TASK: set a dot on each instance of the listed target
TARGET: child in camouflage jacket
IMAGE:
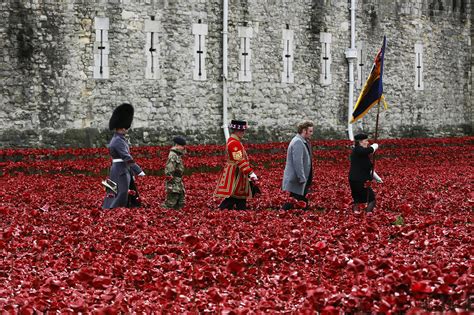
(174, 169)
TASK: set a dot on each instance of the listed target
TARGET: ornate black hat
(121, 117)
(179, 140)
(238, 124)
(360, 136)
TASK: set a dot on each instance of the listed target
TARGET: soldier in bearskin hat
(360, 173)
(123, 166)
(234, 184)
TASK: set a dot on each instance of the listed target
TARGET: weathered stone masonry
(49, 96)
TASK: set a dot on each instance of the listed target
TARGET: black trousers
(360, 192)
(229, 203)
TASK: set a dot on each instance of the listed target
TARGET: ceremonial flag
(372, 92)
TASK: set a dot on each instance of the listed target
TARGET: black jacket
(361, 166)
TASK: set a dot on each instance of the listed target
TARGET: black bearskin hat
(121, 117)
(238, 124)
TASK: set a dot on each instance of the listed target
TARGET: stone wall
(49, 96)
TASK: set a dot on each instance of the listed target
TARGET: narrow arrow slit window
(361, 64)
(245, 34)
(326, 59)
(419, 86)
(287, 75)
(101, 48)
(152, 49)
(199, 32)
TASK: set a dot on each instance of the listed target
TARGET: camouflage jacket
(175, 168)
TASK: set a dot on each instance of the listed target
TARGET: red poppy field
(60, 252)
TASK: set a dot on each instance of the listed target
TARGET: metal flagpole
(375, 140)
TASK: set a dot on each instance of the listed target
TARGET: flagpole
(375, 140)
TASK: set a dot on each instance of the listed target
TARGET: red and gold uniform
(234, 181)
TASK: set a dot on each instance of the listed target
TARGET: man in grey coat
(123, 166)
(298, 173)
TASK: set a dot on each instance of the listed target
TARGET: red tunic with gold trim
(234, 181)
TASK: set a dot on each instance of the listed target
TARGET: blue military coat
(121, 172)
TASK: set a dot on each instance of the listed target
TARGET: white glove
(253, 176)
(377, 178)
(374, 146)
(142, 173)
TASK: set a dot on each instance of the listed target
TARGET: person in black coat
(123, 166)
(360, 173)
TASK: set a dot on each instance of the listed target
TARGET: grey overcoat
(298, 166)
(120, 172)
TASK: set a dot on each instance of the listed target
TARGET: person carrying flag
(360, 173)
(362, 169)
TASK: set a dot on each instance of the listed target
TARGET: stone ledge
(91, 137)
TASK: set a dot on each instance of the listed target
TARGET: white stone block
(419, 84)
(245, 76)
(103, 75)
(287, 75)
(101, 61)
(106, 49)
(361, 64)
(102, 35)
(127, 15)
(200, 51)
(152, 65)
(288, 34)
(325, 37)
(326, 59)
(245, 31)
(199, 29)
(101, 23)
(97, 58)
(152, 26)
(152, 57)
(245, 54)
